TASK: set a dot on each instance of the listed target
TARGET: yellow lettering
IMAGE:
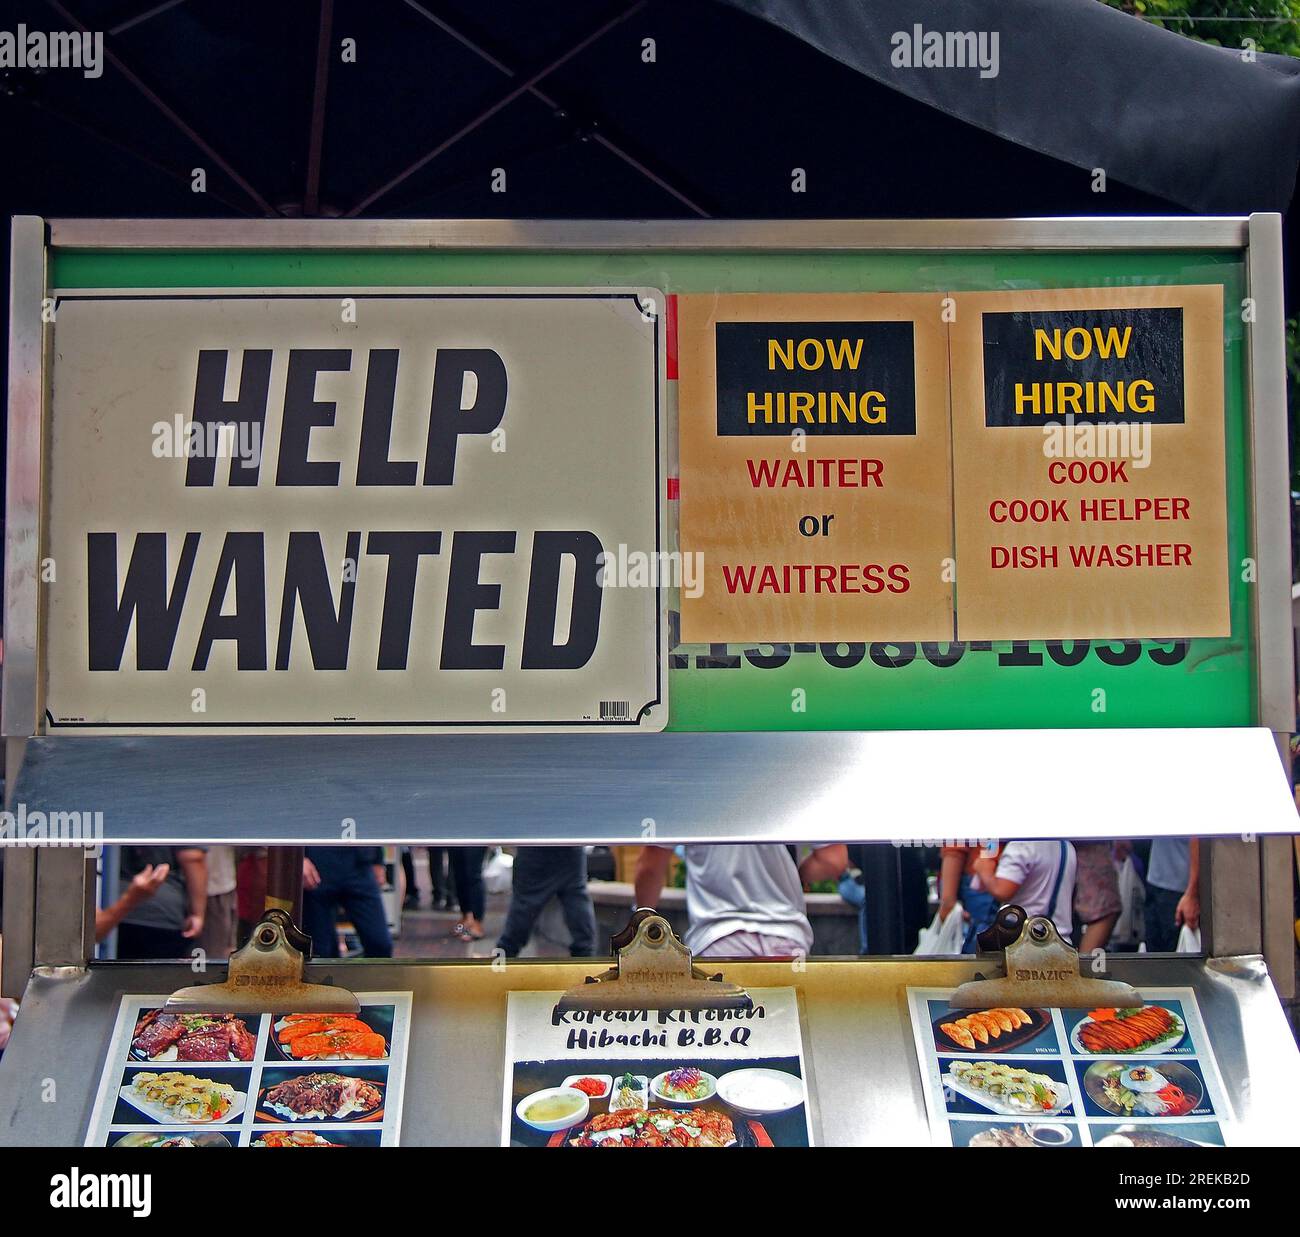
(872, 407)
(1144, 403)
(841, 406)
(1077, 351)
(844, 350)
(1049, 343)
(801, 403)
(1113, 343)
(814, 348)
(775, 352)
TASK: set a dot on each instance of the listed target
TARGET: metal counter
(864, 1081)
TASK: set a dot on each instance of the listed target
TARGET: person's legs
(580, 919)
(364, 906)
(474, 856)
(412, 897)
(320, 921)
(575, 899)
(467, 871)
(530, 890)
(218, 936)
(1097, 935)
(439, 878)
(1161, 930)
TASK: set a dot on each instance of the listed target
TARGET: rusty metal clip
(266, 977)
(653, 970)
(1039, 968)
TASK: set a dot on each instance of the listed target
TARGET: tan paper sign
(309, 511)
(1089, 477)
(815, 467)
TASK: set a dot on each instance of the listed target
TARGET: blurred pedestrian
(218, 939)
(957, 885)
(467, 873)
(541, 873)
(743, 901)
(1037, 876)
(250, 890)
(411, 898)
(349, 877)
(143, 885)
(170, 922)
(440, 878)
(1097, 903)
(1173, 891)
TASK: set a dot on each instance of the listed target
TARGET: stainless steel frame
(23, 476)
(1258, 237)
(1157, 232)
(1270, 455)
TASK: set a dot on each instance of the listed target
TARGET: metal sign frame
(1257, 237)
(1250, 891)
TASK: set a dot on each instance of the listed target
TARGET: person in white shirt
(743, 901)
(1038, 876)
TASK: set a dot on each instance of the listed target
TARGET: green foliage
(1273, 25)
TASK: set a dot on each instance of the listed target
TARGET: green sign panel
(799, 686)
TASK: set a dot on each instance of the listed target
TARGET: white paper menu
(1045, 1077)
(280, 1080)
(667, 1077)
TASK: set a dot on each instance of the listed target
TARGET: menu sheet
(655, 1077)
(253, 1080)
(1038, 1077)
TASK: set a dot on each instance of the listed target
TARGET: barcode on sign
(615, 710)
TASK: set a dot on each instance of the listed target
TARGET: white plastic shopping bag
(1189, 940)
(498, 871)
(943, 936)
(1129, 927)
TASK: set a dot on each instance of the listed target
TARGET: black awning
(1195, 124)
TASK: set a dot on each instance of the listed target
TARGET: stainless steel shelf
(865, 1084)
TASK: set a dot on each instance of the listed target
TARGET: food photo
(177, 1097)
(1146, 1030)
(333, 1037)
(1188, 1134)
(161, 1036)
(1002, 1030)
(1159, 1088)
(658, 1104)
(1006, 1088)
(348, 1093)
(282, 1138)
(1040, 1134)
(169, 1138)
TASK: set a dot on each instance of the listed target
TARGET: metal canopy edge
(674, 787)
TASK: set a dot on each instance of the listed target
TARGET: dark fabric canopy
(736, 95)
(1195, 124)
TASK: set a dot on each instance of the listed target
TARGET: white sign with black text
(323, 510)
